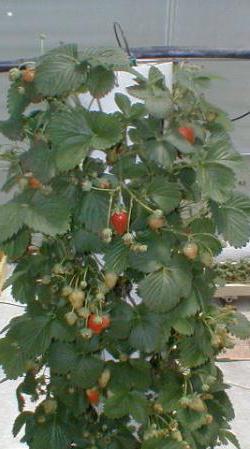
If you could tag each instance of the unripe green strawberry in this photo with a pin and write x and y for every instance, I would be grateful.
(15, 74)
(104, 378)
(157, 407)
(76, 298)
(128, 238)
(83, 312)
(198, 405)
(21, 90)
(176, 435)
(71, 318)
(100, 296)
(41, 419)
(58, 269)
(207, 259)
(86, 185)
(50, 406)
(86, 333)
(190, 250)
(110, 279)
(83, 284)
(106, 235)
(71, 390)
(209, 419)
(23, 183)
(66, 291)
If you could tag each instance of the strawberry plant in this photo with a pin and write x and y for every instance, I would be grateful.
(117, 344)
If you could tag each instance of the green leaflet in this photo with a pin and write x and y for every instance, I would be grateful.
(12, 358)
(87, 370)
(117, 256)
(94, 210)
(59, 71)
(100, 81)
(16, 245)
(170, 391)
(165, 194)
(241, 328)
(162, 290)
(127, 403)
(232, 219)
(39, 160)
(148, 331)
(132, 374)
(45, 214)
(196, 349)
(51, 435)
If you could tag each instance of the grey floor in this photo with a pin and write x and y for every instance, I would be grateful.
(236, 373)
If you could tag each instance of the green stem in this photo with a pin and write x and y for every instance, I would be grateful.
(129, 213)
(105, 190)
(149, 209)
(109, 209)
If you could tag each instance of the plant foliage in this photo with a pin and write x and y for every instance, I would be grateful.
(119, 338)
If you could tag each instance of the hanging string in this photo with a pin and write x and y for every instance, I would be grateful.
(122, 42)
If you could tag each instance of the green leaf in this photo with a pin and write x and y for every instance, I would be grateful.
(45, 214)
(132, 374)
(62, 357)
(71, 136)
(157, 255)
(171, 391)
(148, 332)
(232, 219)
(100, 81)
(17, 101)
(196, 350)
(241, 328)
(191, 419)
(39, 160)
(59, 71)
(87, 371)
(163, 289)
(94, 210)
(12, 359)
(229, 436)
(12, 128)
(165, 194)
(160, 152)
(179, 143)
(121, 320)
(116, 256)
(106, 129)
(123, 103)
(31, 333)
(17, 245)
(115, 58)
(20, 421)
(51, 435)
(127, 403)
(183, 326)
(86, 241)
(10, 222)
(215, 179)
(186, 308)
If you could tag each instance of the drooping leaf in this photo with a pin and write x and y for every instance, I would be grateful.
(160, 152)
(10, 222)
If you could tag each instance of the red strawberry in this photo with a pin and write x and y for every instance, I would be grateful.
(93, 395)
(98, 323)
(119, 221)
(187, 133)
